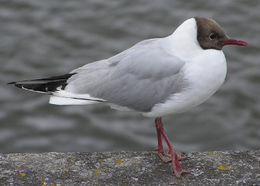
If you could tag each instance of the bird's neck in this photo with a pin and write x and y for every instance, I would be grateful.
(183, 41)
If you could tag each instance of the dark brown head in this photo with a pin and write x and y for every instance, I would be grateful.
(211, 36)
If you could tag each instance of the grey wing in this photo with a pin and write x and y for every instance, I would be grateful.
(138, 78)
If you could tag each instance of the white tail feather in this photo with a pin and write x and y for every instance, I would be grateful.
(69, 101)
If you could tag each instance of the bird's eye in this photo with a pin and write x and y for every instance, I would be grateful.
(212, 36)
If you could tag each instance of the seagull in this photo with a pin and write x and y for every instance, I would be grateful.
(155, 77)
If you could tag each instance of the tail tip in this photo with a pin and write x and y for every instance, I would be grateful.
(15, 84)
(11, 83)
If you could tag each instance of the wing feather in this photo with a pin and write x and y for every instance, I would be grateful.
(137, 78)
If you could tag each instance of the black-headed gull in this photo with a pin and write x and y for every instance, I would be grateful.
(155, 77)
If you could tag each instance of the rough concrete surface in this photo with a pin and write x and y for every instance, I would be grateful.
(128, 168)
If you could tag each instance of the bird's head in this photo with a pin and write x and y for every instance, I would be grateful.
(211, 36)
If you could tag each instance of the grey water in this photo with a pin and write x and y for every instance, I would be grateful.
(40, 38)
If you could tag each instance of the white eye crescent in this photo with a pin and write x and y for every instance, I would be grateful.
(212, 36)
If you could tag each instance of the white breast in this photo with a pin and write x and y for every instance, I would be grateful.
(205, 74)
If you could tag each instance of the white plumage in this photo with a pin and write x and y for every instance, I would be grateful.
(205, 70)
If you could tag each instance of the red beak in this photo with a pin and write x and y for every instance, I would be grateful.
(232, 41)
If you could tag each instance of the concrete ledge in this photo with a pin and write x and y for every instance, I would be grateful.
(128, 168)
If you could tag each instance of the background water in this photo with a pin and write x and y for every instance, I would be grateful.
(41, 38)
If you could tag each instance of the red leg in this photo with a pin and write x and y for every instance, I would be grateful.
(159, 137)
(165, 157)
(172, 155)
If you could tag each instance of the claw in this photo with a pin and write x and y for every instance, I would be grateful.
(180, 158)
(166, 157)
(179, 173)
(177, 170)
(158, 150)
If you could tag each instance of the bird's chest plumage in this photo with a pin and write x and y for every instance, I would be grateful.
(204, 75)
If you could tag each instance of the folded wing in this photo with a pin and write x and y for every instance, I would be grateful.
(137, 78)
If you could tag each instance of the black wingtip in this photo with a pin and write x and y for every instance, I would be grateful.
(44, 85)
(11, 83)
(15, 84)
